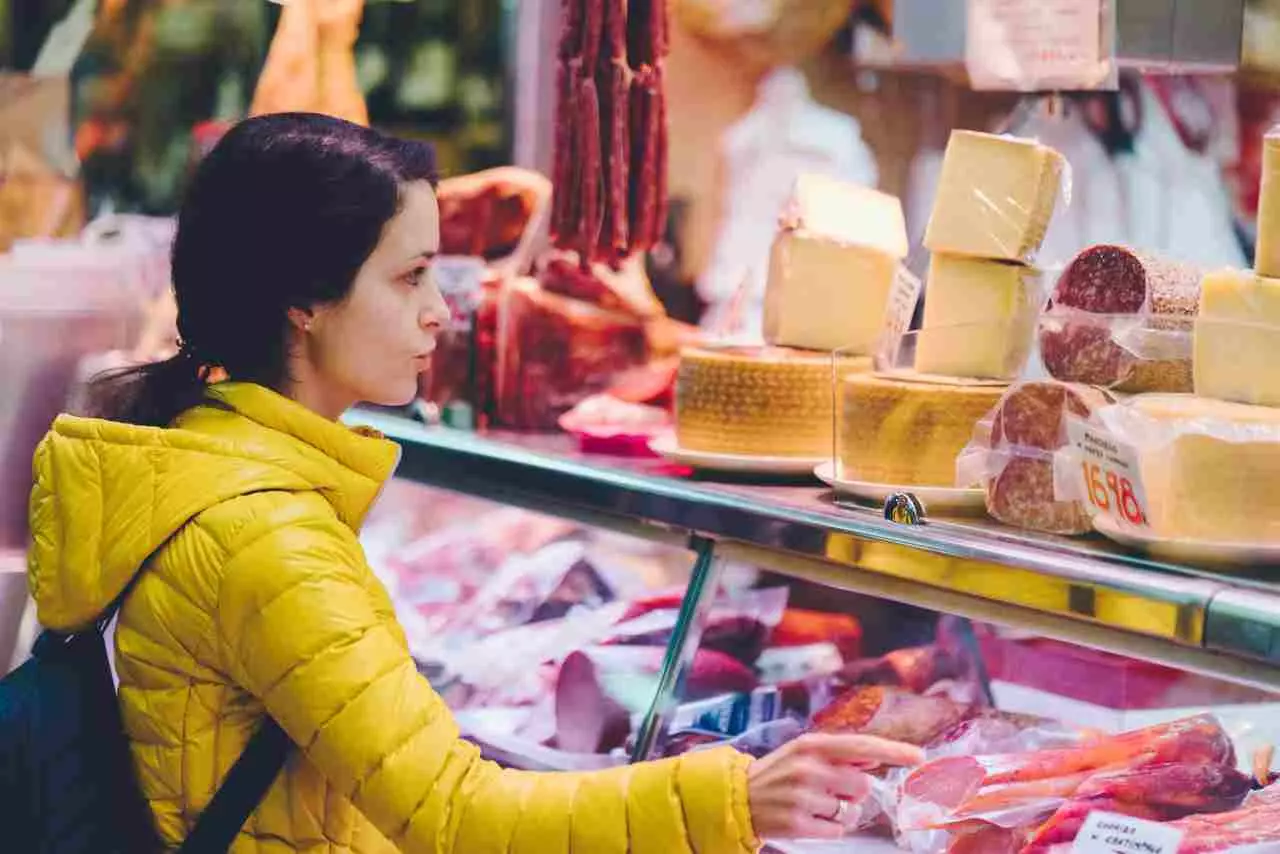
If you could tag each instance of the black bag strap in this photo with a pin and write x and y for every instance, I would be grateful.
(239, 795)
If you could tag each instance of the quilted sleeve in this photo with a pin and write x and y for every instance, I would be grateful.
(302, 632)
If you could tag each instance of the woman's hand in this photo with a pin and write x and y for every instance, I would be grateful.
(797, 791)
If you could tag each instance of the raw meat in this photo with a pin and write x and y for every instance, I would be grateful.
(1028, 426)
(1122, 320)
(890, 713)
(553, 352)
(491, 214)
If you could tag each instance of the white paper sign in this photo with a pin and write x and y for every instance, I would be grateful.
(1108, 474)
(1106, 833)
(1031, 45)
(903, 297)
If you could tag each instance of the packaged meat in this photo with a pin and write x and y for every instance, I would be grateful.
(1012, 455)
(600, 689)
(1122, 320)
(1254, 828)
(738, 626)
(890, 713)
(799, 627)
(1014, 789)
(554, 351)
(1159, 793)
(1199, 462)
(915, 669)
(496, 215)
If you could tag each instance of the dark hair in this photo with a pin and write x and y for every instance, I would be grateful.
(281, 214)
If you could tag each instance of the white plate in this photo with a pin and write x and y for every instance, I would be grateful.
(933, 497)
(1189, 551)
(665, 446)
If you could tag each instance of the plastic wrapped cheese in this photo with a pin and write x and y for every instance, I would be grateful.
(1209, 468)
(1012, 455)
(1122, 319)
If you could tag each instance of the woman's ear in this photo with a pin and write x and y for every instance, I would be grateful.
(301, 318)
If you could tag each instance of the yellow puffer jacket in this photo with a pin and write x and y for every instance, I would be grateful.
(256, 598)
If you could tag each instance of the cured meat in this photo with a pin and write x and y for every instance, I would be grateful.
(593, 15)
(1257, 822)
(564, 156)
(1028, 426)
(949, 785)
(615, 114)
(587, 231)
(1122, 320)
(554, 352)
(648, 32)
(890, 713)
(1159, 793)
(643, 195)
(916, 669)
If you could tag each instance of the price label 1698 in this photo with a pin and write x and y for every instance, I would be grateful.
(1109, 473)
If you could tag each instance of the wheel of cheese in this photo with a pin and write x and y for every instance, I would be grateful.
(908, 431)
(757, 401)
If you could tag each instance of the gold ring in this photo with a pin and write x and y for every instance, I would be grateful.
(842, 808)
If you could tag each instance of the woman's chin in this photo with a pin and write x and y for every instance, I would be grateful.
(401, 394)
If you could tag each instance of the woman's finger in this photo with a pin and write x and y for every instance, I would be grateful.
(859, 750)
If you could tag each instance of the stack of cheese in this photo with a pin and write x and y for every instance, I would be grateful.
(994, 202)
(831, 272)
(1211, 462)
(995, 199)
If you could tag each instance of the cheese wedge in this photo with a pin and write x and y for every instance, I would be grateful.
(1209, 467)
(1237, 338)
(1267, 256)
(823, 295)
(995, 198)
(979, 318)
(847, 213)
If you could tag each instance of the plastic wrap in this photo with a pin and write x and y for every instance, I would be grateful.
(554, 351)
(1237, 337)
(996, 196)
(1208, 468)
(1122, 320)
(1012, 455)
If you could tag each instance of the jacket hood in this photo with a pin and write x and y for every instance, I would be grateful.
(108, 495)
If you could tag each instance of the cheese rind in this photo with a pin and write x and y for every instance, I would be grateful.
(847, 213)
(771, 402)
(907, 432)
(1209, 467)
(825, 295)
(1237, 338)
(996, 195)
(1267, 255)
(979, 318)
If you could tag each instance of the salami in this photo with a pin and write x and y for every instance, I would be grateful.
(562, 170)
(643, 194)
(615, 120)
(890, 713)
(1122, 320)
(592, 30)
(1014, 454)
(571, 34)
(587, 230)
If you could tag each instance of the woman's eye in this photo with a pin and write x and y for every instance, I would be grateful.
(414, 276)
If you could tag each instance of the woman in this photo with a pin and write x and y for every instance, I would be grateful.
(302, 271)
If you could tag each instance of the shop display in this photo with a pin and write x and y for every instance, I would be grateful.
(832, 267)
(1124, 320)
(771, 402)
(1237, 337)
(891, 713)
(610, 153)
(495, 215)
(996, 195)
(907, 430)
(1267, 255)
(1202, 461)
(1012, 455)
(979, 318)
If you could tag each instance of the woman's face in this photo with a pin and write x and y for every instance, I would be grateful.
(371, 346)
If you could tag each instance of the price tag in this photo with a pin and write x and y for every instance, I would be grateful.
(1108, 473)
(903, 297)
(1030, 45)
(1106, 833)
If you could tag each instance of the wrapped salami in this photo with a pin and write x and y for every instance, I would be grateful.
(1012, 455)
(1122, 320)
